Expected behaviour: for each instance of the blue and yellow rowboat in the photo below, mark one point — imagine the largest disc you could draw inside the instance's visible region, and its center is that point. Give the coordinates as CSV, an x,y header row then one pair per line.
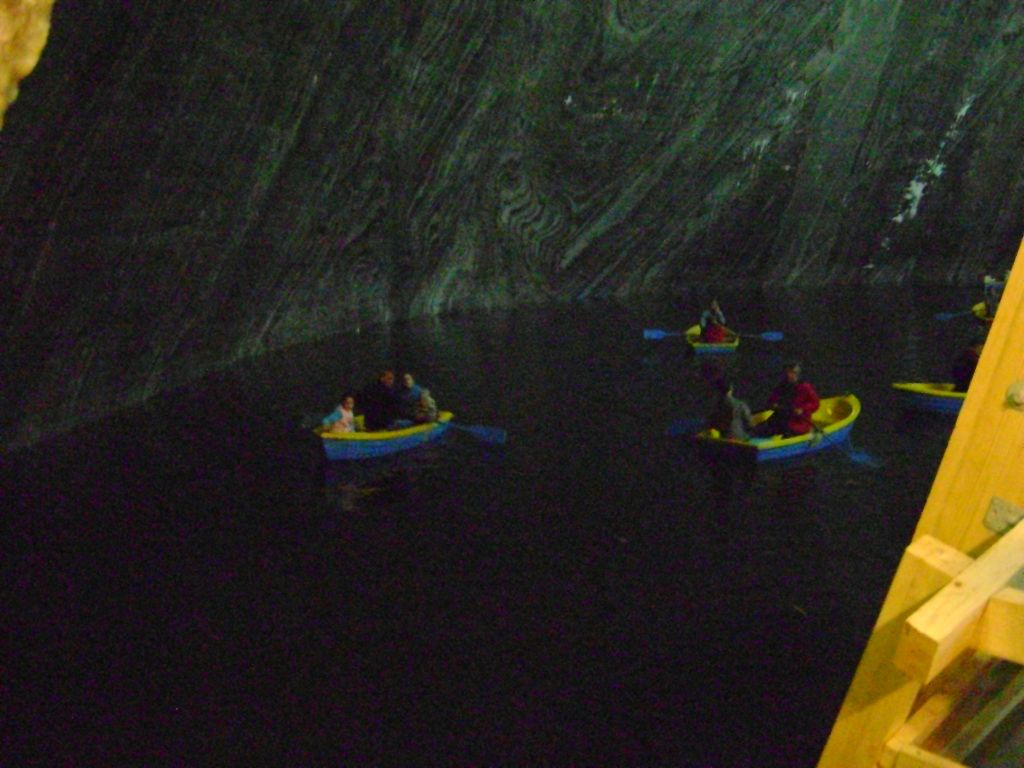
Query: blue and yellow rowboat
x,y
346,446
703,347
833,422
930,396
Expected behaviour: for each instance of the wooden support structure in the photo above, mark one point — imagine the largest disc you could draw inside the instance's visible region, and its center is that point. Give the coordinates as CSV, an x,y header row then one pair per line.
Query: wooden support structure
x,y
944,627
954,606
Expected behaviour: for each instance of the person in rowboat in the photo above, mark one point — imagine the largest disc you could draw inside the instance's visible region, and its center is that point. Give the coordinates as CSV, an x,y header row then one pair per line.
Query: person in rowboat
x,y
712,325
426,408
342,419
731,416
408,393
379,402
792,402
993,292
965,364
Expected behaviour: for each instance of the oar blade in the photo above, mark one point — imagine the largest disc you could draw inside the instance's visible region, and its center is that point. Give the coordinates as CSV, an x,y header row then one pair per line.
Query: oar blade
x,y
657,333
858,456
494,435
944,316
764,336
684,427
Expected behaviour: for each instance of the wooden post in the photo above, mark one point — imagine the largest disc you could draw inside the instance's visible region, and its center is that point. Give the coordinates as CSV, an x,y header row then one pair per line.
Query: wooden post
x,y
983,460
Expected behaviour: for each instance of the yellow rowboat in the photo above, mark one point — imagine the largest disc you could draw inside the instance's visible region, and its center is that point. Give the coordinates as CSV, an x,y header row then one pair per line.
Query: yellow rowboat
x,y
701,347
930,396
369,445
833,422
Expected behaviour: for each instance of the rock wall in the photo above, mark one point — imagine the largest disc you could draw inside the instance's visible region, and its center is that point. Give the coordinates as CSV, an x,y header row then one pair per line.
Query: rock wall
x,y
187,184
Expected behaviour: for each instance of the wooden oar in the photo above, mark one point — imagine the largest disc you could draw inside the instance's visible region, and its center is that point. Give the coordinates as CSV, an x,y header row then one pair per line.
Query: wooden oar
x,y
764,336
657,333
858,456
495,435
685,427
944,316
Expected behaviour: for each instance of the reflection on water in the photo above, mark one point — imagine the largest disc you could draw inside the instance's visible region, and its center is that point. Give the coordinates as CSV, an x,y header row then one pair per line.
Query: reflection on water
x,y
591,592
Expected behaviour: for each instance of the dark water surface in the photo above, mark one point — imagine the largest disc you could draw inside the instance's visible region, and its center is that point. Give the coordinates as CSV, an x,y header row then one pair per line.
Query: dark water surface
x,y
191,584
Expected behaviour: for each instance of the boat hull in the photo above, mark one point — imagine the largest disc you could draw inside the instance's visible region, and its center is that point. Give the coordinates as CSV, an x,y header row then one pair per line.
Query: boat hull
x,y
932,397
834,420
703,348
354,446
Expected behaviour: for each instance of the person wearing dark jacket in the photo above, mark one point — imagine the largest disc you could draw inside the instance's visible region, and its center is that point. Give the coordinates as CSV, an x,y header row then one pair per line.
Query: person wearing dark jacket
x,y
379,402
965,364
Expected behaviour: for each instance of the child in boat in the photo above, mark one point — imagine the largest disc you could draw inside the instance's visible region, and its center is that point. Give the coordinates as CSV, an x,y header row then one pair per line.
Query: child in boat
x,y
712,325
731,416
793,402
342,419
426,408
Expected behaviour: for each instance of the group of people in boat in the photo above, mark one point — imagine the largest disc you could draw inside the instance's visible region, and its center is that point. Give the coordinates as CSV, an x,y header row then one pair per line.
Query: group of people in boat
x,y
792,402
386,403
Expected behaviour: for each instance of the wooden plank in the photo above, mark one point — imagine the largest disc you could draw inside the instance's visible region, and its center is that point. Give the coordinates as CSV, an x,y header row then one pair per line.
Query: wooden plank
x,y
983,459
944,627
927,566
945,562
915,757
986,450
919,727
991,716
1000,632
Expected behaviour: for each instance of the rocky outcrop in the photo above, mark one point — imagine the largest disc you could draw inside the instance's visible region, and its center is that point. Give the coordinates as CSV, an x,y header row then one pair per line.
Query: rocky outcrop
x,y
186,184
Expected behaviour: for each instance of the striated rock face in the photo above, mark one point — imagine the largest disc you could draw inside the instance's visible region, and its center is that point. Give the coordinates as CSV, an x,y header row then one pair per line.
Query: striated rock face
x,y
185,184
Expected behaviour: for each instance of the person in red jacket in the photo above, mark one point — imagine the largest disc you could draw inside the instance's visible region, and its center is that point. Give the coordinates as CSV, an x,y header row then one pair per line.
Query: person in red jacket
x,y
712,325
793,402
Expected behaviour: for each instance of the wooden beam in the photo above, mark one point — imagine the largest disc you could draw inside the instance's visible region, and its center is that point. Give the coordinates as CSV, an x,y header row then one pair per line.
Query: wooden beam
x,y
937,564
1000,632
944,627
983,459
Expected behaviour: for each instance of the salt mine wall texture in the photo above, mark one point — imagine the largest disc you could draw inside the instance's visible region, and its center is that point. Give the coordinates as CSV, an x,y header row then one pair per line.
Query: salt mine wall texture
x,y
186,184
